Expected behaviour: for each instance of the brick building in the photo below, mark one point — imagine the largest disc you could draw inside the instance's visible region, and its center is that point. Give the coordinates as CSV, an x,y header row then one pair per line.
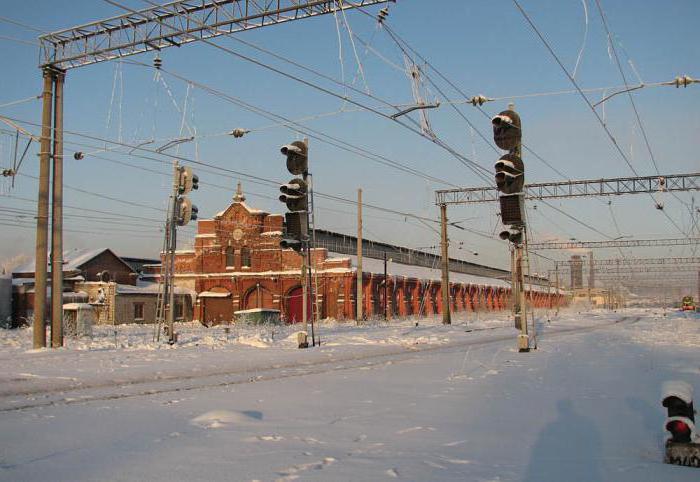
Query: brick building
x,y
103,279
236,263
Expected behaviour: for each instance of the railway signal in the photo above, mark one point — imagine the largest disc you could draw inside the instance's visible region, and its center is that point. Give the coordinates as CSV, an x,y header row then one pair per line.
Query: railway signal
x,y
680,421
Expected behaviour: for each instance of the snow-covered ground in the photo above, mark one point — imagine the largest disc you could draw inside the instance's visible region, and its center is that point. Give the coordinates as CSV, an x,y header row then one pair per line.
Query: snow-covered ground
x,y
382,401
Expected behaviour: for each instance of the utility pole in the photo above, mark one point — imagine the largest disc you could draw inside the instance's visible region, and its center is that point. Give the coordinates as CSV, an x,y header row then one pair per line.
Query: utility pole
x,y
359,257
591,277
42,217
510,182
446,318
181,212
556,270
386,290
57,217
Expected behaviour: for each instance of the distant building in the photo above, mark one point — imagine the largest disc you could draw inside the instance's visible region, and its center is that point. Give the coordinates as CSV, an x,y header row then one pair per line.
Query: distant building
x,y
576,264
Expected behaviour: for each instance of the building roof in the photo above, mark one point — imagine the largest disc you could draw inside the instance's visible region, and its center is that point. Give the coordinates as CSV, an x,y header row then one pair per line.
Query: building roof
x,y
73,260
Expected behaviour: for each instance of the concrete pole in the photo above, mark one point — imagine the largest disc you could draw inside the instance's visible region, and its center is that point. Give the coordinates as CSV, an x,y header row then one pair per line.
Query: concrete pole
x,y
42,215
358,297
305,291
446,317
170,257
523,339
57,218
556,270
386,291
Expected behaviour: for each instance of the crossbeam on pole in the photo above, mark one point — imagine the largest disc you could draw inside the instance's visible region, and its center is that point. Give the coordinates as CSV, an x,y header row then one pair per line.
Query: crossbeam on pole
x,y
174,24
578,188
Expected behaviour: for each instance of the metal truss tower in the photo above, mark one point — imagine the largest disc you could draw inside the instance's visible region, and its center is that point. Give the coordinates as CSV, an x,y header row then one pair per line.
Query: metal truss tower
x,y
173,24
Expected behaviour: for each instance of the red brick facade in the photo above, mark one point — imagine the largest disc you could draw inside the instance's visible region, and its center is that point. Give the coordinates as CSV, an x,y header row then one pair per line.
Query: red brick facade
x,y
237,264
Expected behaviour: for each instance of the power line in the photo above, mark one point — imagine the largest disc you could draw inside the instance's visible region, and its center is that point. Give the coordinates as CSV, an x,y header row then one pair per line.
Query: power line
x,y
20,24
471,164
583,96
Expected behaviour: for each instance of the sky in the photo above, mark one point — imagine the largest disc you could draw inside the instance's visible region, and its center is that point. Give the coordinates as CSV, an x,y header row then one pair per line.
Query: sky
x,y
480,47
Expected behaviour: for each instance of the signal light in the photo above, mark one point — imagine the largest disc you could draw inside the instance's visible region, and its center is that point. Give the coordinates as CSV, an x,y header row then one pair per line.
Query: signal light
x,y
295,195
186,211
187,180
677,397
515,237
296,230
507,132
297,157
510,174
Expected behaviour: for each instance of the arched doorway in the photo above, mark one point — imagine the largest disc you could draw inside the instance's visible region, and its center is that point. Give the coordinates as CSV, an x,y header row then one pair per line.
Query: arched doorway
x,y
294,312
257,297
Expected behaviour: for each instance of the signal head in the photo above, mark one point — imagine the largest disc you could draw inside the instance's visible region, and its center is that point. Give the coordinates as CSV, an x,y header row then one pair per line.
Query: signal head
x,y
295,194
507,131
510,174
297,157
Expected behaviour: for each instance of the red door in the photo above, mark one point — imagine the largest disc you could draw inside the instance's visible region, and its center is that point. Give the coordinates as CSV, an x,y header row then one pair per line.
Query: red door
x,y
295,310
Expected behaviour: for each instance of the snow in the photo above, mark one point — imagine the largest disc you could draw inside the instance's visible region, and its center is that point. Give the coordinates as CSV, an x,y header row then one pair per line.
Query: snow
x,y
404,399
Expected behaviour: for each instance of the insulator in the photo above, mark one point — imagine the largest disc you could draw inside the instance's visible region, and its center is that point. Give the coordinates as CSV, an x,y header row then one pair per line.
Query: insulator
x,y
478,99
157,63
238,132
78,156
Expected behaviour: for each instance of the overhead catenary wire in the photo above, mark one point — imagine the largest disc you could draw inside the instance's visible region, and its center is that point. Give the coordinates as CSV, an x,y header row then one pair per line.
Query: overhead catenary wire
x,y
586,100
470,164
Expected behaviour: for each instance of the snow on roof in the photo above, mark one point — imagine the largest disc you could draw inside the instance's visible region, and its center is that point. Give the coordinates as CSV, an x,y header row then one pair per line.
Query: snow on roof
x,y
73,259
372,265
214,294
149,288
78,306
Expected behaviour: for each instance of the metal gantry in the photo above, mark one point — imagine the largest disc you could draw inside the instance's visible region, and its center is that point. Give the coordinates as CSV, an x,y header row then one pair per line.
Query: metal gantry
x,y
614,243
633,261
172,25
155,28
578,188
638,269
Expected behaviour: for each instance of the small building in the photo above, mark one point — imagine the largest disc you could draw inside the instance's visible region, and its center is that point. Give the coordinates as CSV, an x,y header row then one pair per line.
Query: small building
x,y
106,281
117,304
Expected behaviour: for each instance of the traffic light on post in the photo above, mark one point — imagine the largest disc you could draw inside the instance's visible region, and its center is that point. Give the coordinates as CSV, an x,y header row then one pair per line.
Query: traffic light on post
x,y
295,196
677,397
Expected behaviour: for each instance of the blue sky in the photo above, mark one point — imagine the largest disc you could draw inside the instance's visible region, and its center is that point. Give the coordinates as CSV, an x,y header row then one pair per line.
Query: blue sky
x,y
483,47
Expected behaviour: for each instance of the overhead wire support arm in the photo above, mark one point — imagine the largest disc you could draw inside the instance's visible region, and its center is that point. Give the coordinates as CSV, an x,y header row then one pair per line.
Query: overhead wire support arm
x,y
415,107
173,24
577,188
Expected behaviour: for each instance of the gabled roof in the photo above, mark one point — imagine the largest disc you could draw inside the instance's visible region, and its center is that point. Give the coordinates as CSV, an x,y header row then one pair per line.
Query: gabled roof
x,y
73,260
245,206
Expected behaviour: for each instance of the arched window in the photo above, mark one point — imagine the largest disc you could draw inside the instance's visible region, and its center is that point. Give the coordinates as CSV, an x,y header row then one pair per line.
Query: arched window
x,y
229,256
245,257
